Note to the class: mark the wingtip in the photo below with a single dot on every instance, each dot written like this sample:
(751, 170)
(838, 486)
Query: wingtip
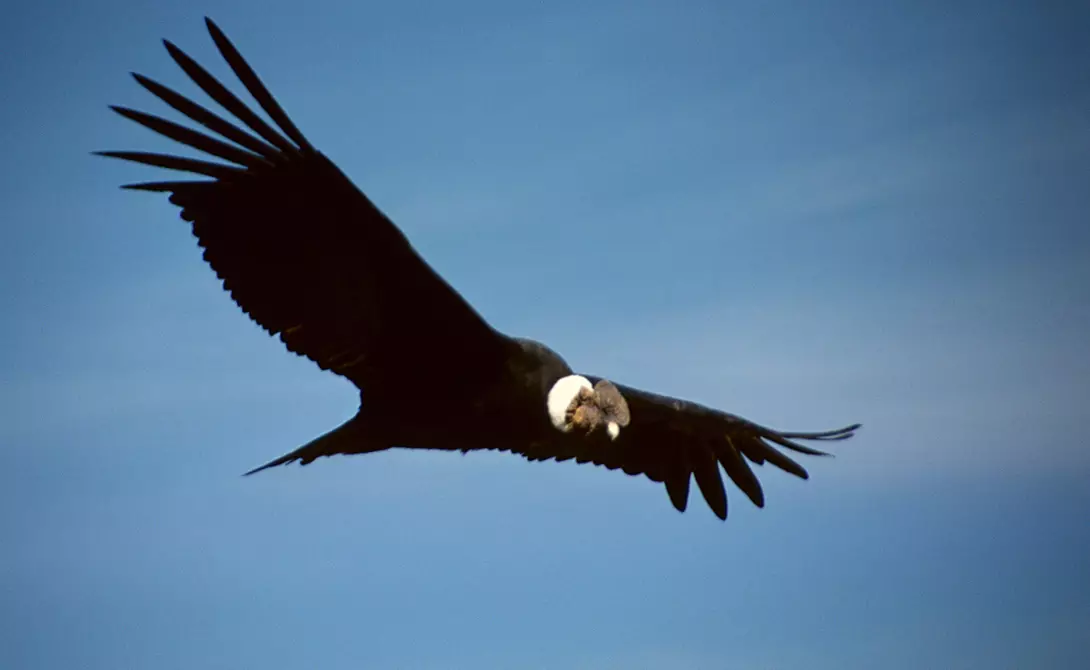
(175, 53)
(139, 78)
(845, 432)
(213, 29)
(848, 431)
(276, 462)
(270, 464)
(823, 436)
(217, 34)
(158, 186)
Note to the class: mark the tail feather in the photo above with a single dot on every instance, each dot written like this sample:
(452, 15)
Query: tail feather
(347, 438)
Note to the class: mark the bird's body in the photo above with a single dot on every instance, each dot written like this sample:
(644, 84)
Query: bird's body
(307, 256)
(496, 409)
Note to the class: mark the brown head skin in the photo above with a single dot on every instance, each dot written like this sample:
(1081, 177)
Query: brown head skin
(598, 408)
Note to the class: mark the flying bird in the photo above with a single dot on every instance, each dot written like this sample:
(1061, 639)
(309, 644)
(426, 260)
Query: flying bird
(309, 257)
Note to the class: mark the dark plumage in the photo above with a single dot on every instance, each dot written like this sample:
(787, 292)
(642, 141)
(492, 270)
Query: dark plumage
(308, 257)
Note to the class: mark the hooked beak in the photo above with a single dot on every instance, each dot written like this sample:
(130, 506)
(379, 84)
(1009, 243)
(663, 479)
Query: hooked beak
(602, 406)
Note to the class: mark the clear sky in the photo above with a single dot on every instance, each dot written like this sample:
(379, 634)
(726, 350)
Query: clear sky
(806, 213)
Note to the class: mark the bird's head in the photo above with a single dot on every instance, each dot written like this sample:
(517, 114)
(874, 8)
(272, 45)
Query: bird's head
(576, 404)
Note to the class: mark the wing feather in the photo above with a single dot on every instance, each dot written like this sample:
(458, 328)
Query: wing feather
(208, 119)
(199, 141)
(674, 441)
(226, 99)
(253, 84)
(301, 250)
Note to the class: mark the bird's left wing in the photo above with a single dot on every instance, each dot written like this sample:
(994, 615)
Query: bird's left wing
(673, 441)
(303, 251)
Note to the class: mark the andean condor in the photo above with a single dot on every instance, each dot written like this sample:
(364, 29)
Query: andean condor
(308, 257)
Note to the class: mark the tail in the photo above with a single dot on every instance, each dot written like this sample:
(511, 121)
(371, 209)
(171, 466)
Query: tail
(347, 438)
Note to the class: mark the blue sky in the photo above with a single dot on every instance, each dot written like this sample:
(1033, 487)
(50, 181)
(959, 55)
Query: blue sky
(806, 213)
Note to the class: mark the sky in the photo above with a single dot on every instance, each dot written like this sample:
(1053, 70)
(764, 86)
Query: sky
(809, 214)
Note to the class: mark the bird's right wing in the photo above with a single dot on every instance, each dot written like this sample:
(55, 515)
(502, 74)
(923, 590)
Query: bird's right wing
(673, 441)
(303, 251)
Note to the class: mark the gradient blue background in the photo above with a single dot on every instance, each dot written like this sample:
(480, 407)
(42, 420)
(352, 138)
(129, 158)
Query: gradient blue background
(806, 213)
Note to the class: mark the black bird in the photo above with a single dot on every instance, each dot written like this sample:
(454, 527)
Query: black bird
(309, 258)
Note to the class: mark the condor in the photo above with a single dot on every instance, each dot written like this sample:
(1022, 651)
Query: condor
(308, 257)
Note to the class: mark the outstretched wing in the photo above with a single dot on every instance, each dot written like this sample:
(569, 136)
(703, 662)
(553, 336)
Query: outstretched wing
(673, 441)
(300, 248)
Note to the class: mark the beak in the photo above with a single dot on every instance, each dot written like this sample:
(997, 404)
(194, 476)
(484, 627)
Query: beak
(601, 406)
(608, 397)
